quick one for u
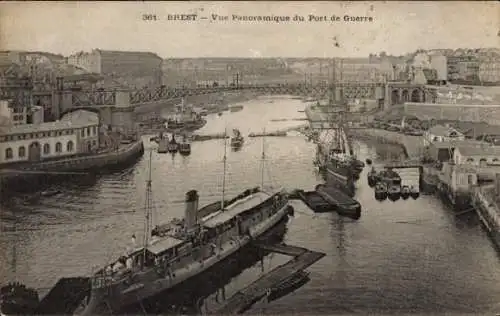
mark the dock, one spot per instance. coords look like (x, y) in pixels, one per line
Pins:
(245, 298)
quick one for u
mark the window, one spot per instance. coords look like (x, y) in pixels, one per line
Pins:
(88, 131)
(58, 147)
(94, 143)
(21, 152)
(83, 132)
(69, 146)
(495, 159)
(8, 154)
(46, 149)
(94, 130)
(470, 159)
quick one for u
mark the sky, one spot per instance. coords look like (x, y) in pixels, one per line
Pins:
(397, 28)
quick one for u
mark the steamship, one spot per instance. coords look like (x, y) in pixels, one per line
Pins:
(174, 252)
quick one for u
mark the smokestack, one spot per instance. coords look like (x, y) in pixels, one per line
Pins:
(191, 212)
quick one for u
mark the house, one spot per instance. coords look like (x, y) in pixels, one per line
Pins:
(440, 133)
(443, 151)
(479, 156)
(75, 134)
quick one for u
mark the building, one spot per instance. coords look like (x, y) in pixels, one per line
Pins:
(119, 64)
(477, 156)
(75, 134)
(440, 133)
(489, 70)
(439, 63)
(463, 68)
(443, 151)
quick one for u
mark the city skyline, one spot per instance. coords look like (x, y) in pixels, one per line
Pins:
(397, 29)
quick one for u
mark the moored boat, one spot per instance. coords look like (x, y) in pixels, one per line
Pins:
(174, 252)
(380, 191)
(405, 192)
(344, 204)
(372, 177)
(237, 140)
(394, 192)
(414, 192)
(173, 145)
(185, 149)
(236, 108)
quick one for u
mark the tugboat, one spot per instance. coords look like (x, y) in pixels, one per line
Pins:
(237, 140)
(17, 299)
(372, 178)
(174, 252)
(173, 146)
(405, 192)
(185, 118)
(414, 192)
(380, 191)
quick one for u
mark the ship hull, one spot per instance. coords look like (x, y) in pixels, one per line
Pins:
(120, 298)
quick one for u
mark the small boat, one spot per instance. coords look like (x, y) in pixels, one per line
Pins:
(372, 178)
(288, 285)
(185, 148)
(394, 192)
(405, 192)
(368, 161)
(414, 192)
(236, 108)
(237, 140)
(49, 193)
(313, 200)
(173, 146)
(219, 114)
(344, 204)
(380, 191)
(17, 299)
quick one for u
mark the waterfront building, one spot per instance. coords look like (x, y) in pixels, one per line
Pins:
(463, 68)
(489, 70)
(76, 133)
(479, 156)
(439, 63)
(440, 133)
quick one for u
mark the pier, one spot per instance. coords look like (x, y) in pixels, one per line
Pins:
(245, 298)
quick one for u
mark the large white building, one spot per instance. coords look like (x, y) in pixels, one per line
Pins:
(75, 134)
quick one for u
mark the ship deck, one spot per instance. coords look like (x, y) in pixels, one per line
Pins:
(336, 196)
(245, 298)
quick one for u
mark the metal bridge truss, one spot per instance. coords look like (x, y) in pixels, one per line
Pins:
(349, 90)
(89, 98)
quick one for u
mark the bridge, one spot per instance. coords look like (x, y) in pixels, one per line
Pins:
(390, 93)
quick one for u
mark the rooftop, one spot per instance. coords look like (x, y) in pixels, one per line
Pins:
(76, 119)
(479, 151)
(162, 244)
(441, 130)
(460, 143)
(236, 208)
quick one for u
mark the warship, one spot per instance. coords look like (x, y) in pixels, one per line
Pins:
(174, 252)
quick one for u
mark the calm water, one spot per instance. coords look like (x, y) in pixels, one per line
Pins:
(407, 256)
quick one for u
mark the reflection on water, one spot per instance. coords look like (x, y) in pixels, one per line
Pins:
(406, 256)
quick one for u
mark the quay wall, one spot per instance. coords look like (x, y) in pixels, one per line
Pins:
(114, 160)
(412, 145)
(488, 210)
(489, 113)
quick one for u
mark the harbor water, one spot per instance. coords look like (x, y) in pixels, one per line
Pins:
(403, 256)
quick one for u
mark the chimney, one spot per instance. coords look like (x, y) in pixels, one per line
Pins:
(191, 211)
(497, 184)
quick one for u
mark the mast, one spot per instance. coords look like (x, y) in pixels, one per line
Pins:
(263, 161)
(224, 160)
(147, 209)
